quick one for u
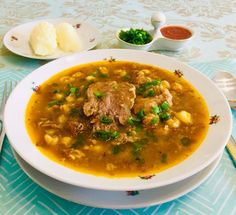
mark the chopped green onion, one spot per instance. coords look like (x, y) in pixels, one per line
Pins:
(80, 140)
(56, 91)
(142, 89)
(106, 135)
(116, 149)
(165, 106)
(151, 135)
(150, 93)
(137, 147)
(135, 36)
(67, 92)
(133, 121)
(164, 158)
(141, 114)
(156, 109)
(154, 121)
(98, 94)
(54, 102)
(74, 112)
(127, 77)
(69, 85)
(185, 141)
(164, 116)
(103, 75)
(115, 135)
(74, 90)
(139, 128)
(106, 120)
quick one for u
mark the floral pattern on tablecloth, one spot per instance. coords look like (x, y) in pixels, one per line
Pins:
(213, 21)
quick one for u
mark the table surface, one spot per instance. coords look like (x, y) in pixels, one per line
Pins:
(213, 49)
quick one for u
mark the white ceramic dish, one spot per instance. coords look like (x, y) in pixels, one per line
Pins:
(211, 147)
(116, 199)
(159, 42)
(16, 40)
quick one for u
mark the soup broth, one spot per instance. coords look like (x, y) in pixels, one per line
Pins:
(117, 119)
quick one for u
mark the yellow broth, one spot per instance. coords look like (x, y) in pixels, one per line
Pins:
(152, 139)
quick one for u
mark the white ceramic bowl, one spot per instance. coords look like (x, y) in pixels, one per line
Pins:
(159, 42)
(212, 146)
(126, 45)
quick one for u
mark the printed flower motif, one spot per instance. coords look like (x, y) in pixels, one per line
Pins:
(214, 119)
(13, 38)
(111, 59)
(132, 193)
(192, 8)
(77, 25)
(15, 13)
(35, 88)
(178, 73)
(146, 177)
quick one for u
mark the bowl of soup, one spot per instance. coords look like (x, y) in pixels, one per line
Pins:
(117, 120)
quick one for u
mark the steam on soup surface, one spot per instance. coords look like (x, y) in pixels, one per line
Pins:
(117, 119)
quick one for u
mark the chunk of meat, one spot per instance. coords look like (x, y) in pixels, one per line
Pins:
(75, 127)
(115, 100)
(97, 125)
(147, 103)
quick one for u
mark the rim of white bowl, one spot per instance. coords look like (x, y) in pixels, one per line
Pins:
(22, 144)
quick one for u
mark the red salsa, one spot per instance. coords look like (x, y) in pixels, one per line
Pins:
(176, 32)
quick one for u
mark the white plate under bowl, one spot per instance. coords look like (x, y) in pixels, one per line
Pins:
(88, 35)
(214, 143)
(117, 199)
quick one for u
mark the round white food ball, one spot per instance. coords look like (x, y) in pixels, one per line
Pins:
(43, 39)
(67, 37)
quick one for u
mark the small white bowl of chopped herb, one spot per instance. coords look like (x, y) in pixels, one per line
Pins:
(134, 38)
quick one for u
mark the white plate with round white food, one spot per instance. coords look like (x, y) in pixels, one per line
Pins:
(211, 146)
(17, 39)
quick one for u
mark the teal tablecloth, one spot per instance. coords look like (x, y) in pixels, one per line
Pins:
(20, 195)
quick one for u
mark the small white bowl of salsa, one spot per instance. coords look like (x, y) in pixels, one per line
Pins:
(168, 37)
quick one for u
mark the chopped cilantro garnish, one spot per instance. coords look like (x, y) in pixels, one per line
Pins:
(69, 85)
(133, 121)
(127, 77)
(106, 135)
(137, 147)
(165, 106)
(98, 94)
(54, 102)
(164, 116)
(141, 114)
(185, 141)
(164, 158)
(152, 136)
(106, 120)
(74, 90)
(144, 87)
(154, 121)
(116, 149)
(80, 140)
(135, 36)
(115, 135)
(74, 112)
(67, 92)
(139, 128)
(156, 109)
(150, 93)
(56, 91)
